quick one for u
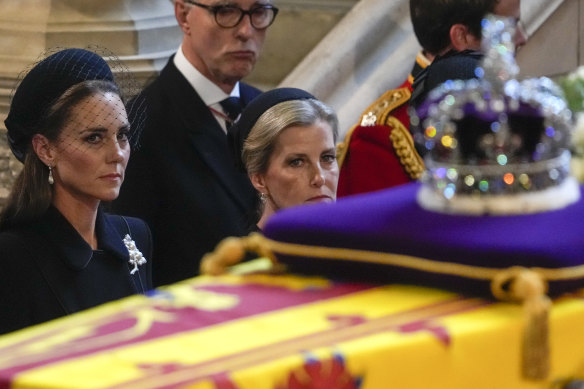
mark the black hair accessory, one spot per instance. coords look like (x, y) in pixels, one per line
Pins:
(48, 79)
(240, 130)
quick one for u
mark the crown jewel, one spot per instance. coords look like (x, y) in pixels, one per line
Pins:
(495, 144)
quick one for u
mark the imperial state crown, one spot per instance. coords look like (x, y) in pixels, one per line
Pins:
(496, 145)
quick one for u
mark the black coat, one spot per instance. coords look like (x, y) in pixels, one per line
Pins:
(47, 270)
(182, 179)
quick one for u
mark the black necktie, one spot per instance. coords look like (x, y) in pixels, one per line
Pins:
(232, 107)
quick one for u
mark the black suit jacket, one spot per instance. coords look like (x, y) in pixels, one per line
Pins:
(47, 270)
(182, 180)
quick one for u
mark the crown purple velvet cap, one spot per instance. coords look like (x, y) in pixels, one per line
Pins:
(240, 130)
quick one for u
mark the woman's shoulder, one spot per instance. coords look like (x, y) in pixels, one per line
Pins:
(16, 237)
(11, 238)
(17, 244)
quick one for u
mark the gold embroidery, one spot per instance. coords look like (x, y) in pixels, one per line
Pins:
(403, 144)
(376, 113)
(386, 103)
(368, 120)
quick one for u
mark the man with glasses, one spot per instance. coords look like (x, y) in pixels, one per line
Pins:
(182, 179)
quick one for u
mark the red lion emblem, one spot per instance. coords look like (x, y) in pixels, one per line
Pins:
(327, 374)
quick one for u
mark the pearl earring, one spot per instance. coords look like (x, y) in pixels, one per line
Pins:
(51, 179)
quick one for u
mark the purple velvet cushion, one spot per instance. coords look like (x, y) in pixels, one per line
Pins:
(391, 221)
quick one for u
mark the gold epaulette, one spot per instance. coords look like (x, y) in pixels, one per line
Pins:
(376, 114)
(380, 113)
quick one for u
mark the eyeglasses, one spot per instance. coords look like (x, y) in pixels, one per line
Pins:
(228, 16)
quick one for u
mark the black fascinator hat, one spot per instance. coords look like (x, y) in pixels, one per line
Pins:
(240, 130)
(47, 81)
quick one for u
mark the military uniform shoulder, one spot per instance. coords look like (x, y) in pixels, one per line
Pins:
(378, 112)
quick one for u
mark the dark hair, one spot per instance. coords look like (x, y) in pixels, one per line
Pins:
(432, 20)
(31, 195)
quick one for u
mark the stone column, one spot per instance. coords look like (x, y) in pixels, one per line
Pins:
(142, 33)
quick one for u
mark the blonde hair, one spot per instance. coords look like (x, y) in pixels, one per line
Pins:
(260, 143)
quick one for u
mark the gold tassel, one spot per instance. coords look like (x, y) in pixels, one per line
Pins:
(530, 288)
(227, 253)
(231, 251)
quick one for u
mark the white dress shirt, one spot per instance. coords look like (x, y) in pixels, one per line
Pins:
(210, 93)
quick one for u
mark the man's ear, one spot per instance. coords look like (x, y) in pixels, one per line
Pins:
(181, 11)
(259, 183)
(462, 39)
(43, 149)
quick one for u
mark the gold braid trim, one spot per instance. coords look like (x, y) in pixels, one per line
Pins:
(410, 262)
(343, 147)
(231, 250)
(422, 60)
(386, 103)
(403, 144)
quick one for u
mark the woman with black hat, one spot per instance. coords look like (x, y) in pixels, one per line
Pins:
(285, 140)
(59, 252)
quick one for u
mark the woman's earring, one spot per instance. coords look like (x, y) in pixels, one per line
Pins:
(51, 180)
(263, 197)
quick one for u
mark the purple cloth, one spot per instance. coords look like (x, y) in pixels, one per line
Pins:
(391, 221)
